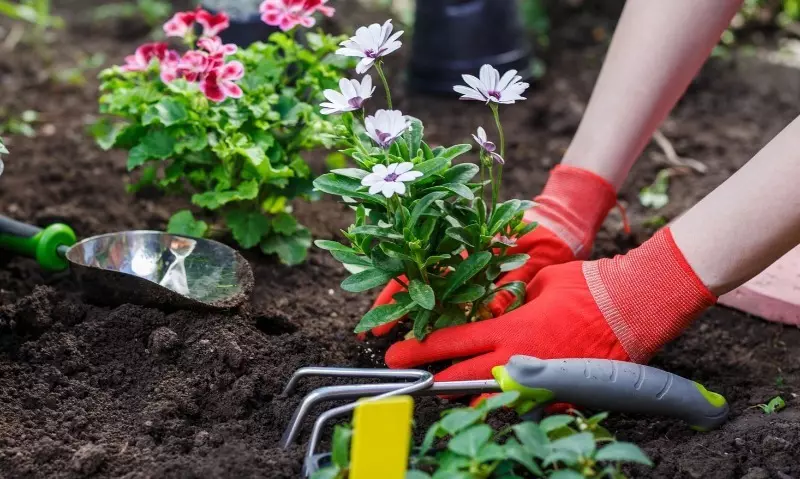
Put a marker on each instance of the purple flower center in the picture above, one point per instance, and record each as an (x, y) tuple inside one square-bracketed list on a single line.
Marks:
[(370, 53), (355, 102), (391, 177), (384, 138), (494, 94), (489, 146)]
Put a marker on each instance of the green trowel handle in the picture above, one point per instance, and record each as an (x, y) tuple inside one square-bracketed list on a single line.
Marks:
[(618, 386), (42, 244)]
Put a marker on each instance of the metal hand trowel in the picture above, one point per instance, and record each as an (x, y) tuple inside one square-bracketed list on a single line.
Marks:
[(141, 267)]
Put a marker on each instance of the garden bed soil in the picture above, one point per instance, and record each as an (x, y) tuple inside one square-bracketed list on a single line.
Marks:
[(136, 392)]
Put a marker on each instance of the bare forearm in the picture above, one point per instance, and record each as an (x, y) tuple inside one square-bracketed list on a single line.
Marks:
[(657, 48), (748, 222)]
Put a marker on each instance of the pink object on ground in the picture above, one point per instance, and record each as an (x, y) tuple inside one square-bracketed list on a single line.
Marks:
[(774, 294)]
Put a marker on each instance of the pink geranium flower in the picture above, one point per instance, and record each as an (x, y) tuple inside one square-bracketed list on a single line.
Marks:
[(287, 14), (140, 60), (218, 84), (170, 67), (215, 47), (193, 65), (212, 24), (180, 24)]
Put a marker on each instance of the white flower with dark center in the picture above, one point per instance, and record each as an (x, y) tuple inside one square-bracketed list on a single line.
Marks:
[(488, 146), (371, 43), (391, 179), (491, 87), (386, 126), (351, 97)]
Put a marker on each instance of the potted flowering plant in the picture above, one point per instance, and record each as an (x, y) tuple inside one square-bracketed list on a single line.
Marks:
[(226, 126), (420, 220)]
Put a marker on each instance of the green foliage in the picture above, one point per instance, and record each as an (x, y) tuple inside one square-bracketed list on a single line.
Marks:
[(461, 445), (656, 195), (153, 12), (21, 125), (240, 160), (439, 235), (36, 12), (774, 405)]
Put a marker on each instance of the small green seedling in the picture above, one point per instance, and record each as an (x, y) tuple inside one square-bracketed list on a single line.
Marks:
[(774, 405), (462, 445), (21, 125), (34, 12), (656, 195)]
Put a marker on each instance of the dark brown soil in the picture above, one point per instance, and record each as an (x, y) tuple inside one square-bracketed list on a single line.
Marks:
[(135, 392)]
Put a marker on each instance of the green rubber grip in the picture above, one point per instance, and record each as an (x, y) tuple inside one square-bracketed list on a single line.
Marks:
[(41, 244), (615, 386)]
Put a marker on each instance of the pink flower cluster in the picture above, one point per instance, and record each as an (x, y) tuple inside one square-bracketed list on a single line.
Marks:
[(287, 14), (205, 66)]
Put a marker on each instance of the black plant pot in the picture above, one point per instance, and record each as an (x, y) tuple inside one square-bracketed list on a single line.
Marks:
[(454, 37), (245, 32)]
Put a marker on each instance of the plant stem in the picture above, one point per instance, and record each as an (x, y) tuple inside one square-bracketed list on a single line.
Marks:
[(496, 188), (385, 83)]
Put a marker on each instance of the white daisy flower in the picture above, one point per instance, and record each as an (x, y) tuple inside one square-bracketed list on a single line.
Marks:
[(490, 87), (370, 43), (352, 96), (488, 146), (391, 179), (386, 126)]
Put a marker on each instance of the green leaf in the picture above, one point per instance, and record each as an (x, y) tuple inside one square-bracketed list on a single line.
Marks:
[(533, 439), (490, 452), (462, 235), (551, 423), (284, 223), (354, 173), (417, 475), (158, 144), (422, 294), (348, 258), (518, 289), (461, 173), (582, 444), (376, 231), (431, 260), (656, 196), (470, 441), (335, 160), (386, 263), (511, 262), (454, 151), (423, 206), (413, 135), (624, 452), (291, 250), (455, 188), (457, 420), (137, 156), (168, 111), (502, 215), (366, 280), (466, 271), (247, 227), (498, 401), (105, 132), (421, 322), (383, 314), (183, 223), (517, 453), (212, 200), (333, 246), (430, 437), (342, 186), (340, 450), (331, 472), (566, 474), (430, 168), (467, 294)]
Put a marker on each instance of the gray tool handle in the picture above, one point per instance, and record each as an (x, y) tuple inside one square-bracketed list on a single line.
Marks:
[(618, 386)]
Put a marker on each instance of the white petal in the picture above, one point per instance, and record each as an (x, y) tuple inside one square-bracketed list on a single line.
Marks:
[(506, 80), (364, 65), (380, 169), (482, 134), (377, 187), (409, 176), (375, 36), (487, 75), (392, 168), (350, 52), (391, 47), (388, 189), (400, 188), (365, 88), (403, 167), (469, 93), (335, 97), (348, 89), (386, 30), (371, 179)]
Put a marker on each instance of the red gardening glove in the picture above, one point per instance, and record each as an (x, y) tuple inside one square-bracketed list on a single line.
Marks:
[(623, 308), (569, 211)]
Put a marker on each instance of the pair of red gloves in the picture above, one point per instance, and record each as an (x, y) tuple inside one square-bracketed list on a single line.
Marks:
[(625, 308)]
